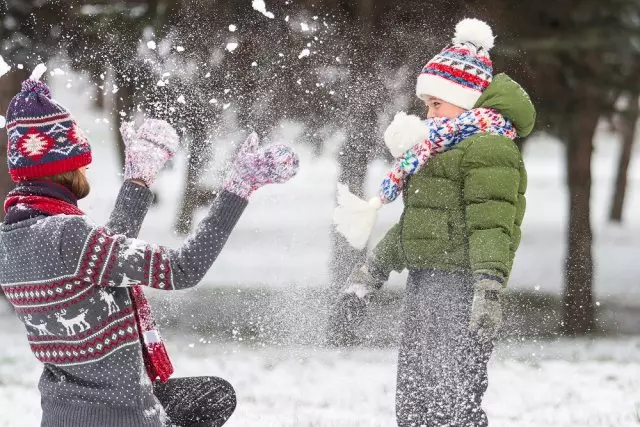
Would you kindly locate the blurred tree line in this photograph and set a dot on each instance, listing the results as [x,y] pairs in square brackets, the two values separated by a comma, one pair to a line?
[341,64]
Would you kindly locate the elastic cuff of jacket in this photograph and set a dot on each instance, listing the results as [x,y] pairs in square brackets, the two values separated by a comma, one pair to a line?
[375,271]
[486,276]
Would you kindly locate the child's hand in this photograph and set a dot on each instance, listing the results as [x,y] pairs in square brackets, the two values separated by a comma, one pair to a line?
[148,149]
[256,166]
[362,283]
[486,310]
[350,309]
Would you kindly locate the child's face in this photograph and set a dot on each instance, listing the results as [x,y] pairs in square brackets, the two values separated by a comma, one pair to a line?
[441,109]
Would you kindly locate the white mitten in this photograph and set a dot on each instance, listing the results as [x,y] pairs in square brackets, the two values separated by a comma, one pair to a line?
[148,149]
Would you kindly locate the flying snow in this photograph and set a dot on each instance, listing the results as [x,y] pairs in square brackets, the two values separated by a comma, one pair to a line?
[261,7]
[304,53]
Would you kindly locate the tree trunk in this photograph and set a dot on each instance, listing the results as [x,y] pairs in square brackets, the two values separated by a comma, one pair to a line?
[9,86]
[353,163]
[628,123]
[579,315]
[195,194]
[123,103]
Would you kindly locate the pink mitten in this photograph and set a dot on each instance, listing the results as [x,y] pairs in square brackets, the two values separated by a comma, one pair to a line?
[148,149]
[256,166]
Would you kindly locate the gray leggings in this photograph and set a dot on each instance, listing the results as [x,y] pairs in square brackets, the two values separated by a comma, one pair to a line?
[196,401]
[442,367]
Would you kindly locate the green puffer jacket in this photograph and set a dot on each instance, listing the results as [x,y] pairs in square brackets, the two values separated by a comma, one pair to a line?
[464,209]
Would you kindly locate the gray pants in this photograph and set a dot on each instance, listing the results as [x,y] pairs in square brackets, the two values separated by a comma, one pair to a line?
[442,367]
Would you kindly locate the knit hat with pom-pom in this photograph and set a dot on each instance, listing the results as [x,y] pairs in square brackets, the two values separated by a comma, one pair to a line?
[44,140]
[462,71]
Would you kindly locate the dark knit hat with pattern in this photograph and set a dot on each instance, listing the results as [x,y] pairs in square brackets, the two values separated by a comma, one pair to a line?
[44,139]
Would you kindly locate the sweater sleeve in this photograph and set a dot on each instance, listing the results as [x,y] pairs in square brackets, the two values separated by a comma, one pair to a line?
[491,181]
[387,255]
[107,258]
[131,207]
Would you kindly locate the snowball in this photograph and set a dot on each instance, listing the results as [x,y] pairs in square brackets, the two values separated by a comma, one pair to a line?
[260,6]
[151,45]
[304,53]
[4,67]
[38,71]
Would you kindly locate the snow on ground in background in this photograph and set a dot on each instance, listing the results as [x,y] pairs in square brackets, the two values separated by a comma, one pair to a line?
[283,237]
[4,67]
[552,384]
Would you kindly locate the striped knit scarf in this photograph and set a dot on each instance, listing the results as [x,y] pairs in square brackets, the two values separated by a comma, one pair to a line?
[355,218]
[444,134]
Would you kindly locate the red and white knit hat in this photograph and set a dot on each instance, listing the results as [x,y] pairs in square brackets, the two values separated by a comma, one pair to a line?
[462,71]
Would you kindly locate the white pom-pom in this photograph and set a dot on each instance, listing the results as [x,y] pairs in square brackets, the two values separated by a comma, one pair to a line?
[404,132]
[474,31]
[38,71]
[354,218]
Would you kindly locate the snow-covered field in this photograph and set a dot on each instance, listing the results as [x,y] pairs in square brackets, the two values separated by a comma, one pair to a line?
[551,384]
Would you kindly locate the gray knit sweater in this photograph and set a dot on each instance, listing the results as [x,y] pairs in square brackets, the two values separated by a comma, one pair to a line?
[67,280]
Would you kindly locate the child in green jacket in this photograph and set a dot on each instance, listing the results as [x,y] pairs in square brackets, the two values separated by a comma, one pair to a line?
[463,181]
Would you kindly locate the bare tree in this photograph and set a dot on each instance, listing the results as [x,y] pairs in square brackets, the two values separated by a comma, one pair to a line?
[627,123]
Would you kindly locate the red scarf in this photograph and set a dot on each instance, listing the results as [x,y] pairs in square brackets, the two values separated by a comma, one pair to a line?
[45,198]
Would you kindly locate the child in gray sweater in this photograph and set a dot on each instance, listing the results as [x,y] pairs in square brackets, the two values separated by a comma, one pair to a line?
[78,287]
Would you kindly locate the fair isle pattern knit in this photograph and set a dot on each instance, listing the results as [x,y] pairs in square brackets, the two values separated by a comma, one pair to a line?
[444,134]
[44,139]
[461,71]
[464,65]
[44,197]
[71,285]
[73,340]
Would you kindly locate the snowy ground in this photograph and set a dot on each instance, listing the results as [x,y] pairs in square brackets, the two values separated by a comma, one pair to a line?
[551,384]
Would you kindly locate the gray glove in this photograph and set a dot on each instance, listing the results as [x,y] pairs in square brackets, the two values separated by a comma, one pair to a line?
[362,282]
[350,308]
[486,309]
